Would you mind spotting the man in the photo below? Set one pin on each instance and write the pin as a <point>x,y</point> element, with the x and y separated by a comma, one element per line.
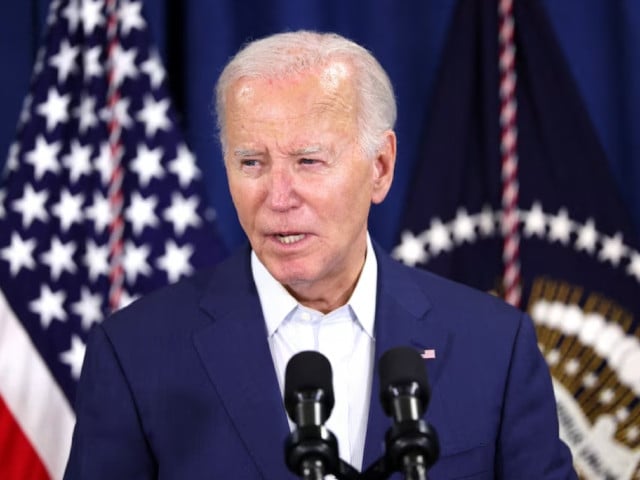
<point>187,383</point>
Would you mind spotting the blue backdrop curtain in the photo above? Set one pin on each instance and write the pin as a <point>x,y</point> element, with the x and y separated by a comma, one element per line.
<point>599,39</point>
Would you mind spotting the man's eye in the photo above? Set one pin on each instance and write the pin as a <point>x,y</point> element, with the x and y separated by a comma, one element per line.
<point>249,163</point>
<point>308,161</point>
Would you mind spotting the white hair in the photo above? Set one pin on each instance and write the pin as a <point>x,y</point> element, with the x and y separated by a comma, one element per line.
<point>285,54</point>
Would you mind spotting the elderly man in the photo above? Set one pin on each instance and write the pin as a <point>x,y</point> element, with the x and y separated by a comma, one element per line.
<point>187,383</point>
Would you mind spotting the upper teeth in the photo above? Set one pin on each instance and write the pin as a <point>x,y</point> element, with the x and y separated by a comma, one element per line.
<point>290,238</point>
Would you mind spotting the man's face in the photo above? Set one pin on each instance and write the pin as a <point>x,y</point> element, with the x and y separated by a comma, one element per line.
<point>300,183</point>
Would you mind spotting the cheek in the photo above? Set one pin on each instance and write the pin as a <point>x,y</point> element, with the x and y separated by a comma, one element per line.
<point>245,200</point>
<point>360,187</point>
<point>236,195</point>
<point>349,199</point>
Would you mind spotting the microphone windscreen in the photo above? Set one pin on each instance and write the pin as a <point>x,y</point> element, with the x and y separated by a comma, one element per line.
<point>401,366</point>
<point>307,371</point>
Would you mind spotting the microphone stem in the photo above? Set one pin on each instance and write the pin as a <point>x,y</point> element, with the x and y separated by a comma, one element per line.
<point>414,467</point>
<point>312,469</point>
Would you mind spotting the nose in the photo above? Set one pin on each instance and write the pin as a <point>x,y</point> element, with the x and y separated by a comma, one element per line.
<point>282,193</point>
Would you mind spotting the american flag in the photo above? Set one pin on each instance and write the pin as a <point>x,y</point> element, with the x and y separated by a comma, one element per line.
<point>101,202</point>
<point>428,354</point>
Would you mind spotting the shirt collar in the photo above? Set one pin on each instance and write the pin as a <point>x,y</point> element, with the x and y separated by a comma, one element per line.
<point>277,304</point>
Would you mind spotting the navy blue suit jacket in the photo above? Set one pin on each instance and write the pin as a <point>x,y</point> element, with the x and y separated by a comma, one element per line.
<point>181,384</point>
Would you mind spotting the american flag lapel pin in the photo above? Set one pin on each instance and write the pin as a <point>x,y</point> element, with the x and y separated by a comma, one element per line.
<point>428,353</point>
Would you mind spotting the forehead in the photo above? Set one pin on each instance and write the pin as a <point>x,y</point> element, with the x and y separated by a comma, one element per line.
<point>327,89</point>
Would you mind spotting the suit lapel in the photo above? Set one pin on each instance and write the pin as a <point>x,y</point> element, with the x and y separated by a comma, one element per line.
<point>403,318</point>
<point>235,353</point>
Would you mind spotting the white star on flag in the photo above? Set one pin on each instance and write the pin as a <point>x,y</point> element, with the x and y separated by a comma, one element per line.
<point>55,109</point>
<point>560,227</point>
<point>19,254</point>
<point>49,306</point>
<point>147,164</point>
<point>74,356</point>
<point>154,115</point>
<point>124,64</point>
<point>91,62</point>
<point>463,227</point>
<point>612,249</point>
<point>59,258</point>
<point>65,60</point>
<point>77,161</point>
<point>91,15</point>
<point>86,113</point>
<point>141,212</point>
<point>184,166</point>
<point>88,307</point>
<point>31,206</point>
<point>438,237</point>
<point>535,222</point>
<point>587,237</point>
<point>182,213</point>
<point>175,261</point>
<point>411,250</point>
<point>130,15</point>
<point>44,157</point>
<point>99,212</point>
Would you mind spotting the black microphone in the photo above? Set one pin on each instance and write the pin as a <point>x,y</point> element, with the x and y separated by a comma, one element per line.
<point>412,445</point>
<point>311,451</point>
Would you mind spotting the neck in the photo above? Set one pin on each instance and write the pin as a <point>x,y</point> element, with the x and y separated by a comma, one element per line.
<point>329,296</point>
<point>323,304</point>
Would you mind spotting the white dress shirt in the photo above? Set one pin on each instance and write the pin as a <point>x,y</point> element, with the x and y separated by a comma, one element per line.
<point>344,336</point>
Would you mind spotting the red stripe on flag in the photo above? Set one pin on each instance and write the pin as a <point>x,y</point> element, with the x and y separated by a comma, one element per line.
<point>18,459</point>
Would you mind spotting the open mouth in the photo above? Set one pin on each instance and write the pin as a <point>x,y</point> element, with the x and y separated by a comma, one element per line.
<point>289,238</point>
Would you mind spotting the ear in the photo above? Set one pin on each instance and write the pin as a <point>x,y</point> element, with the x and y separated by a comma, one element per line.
<point>383,166</point>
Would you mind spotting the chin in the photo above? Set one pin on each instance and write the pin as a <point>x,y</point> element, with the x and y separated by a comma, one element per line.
<point>291,277</point>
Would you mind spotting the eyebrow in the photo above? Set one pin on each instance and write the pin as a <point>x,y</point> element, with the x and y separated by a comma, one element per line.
<point>241,152</point>
<point>246,152</point>
<point>311,150</point>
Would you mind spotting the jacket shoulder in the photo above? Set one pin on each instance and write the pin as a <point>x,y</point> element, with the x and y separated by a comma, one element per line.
<point>463,307</point>
<point>177,306</point>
